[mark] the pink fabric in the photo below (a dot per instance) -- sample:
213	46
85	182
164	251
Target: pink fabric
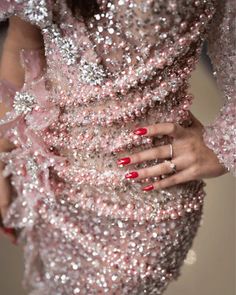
220	136
86	229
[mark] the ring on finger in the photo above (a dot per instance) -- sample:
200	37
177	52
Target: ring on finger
172	166
171	151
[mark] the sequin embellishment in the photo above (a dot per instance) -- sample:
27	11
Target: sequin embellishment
23	102
91	73
87	229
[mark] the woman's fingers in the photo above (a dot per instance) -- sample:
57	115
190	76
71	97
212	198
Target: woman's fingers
157	170
177	178
171	129
195	122
161	152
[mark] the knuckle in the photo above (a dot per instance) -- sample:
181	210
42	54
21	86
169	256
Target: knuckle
173	180
193	158
163	183
146	172
164	151
152	129
158	185
191	145
173	128
136	158
155	128
195	170
165	167
157	152
143	173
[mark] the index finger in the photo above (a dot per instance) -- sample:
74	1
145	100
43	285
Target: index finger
171	129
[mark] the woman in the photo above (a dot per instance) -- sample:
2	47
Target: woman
102	160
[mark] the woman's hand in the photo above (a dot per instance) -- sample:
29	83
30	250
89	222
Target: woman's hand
191	157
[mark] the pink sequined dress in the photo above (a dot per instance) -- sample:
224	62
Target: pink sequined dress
85	228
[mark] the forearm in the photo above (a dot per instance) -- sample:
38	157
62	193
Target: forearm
20	35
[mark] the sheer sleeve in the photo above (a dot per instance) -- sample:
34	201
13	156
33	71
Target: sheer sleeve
37	12
220	136
7	9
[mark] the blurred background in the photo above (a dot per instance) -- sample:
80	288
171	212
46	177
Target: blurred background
210	266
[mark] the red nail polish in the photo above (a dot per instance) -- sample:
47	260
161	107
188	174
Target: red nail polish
148	188
140	131
123	161
8	231
132	174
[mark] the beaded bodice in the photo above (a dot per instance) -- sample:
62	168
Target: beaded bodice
126	66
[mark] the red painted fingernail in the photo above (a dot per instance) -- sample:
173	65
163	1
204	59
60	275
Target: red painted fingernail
148	188
9	231
132	174
140	131
123	161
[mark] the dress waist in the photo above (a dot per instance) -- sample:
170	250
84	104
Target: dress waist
133	204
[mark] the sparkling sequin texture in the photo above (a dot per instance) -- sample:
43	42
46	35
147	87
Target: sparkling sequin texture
23	102
86	229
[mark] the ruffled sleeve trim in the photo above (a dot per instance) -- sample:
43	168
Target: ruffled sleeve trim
37	12
220	135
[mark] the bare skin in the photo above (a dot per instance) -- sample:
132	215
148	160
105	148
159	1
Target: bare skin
20	35
193	159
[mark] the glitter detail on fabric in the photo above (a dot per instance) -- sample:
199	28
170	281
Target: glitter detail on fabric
23	102
220	136
86	229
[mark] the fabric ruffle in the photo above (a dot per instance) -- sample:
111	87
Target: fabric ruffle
28	165
37	12
220	135
63	224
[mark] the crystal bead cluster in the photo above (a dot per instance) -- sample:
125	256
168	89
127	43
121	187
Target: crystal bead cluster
23	102
91	73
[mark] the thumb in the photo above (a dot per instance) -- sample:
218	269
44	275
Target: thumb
195	122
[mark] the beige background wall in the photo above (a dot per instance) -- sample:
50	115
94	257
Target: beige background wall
210	269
